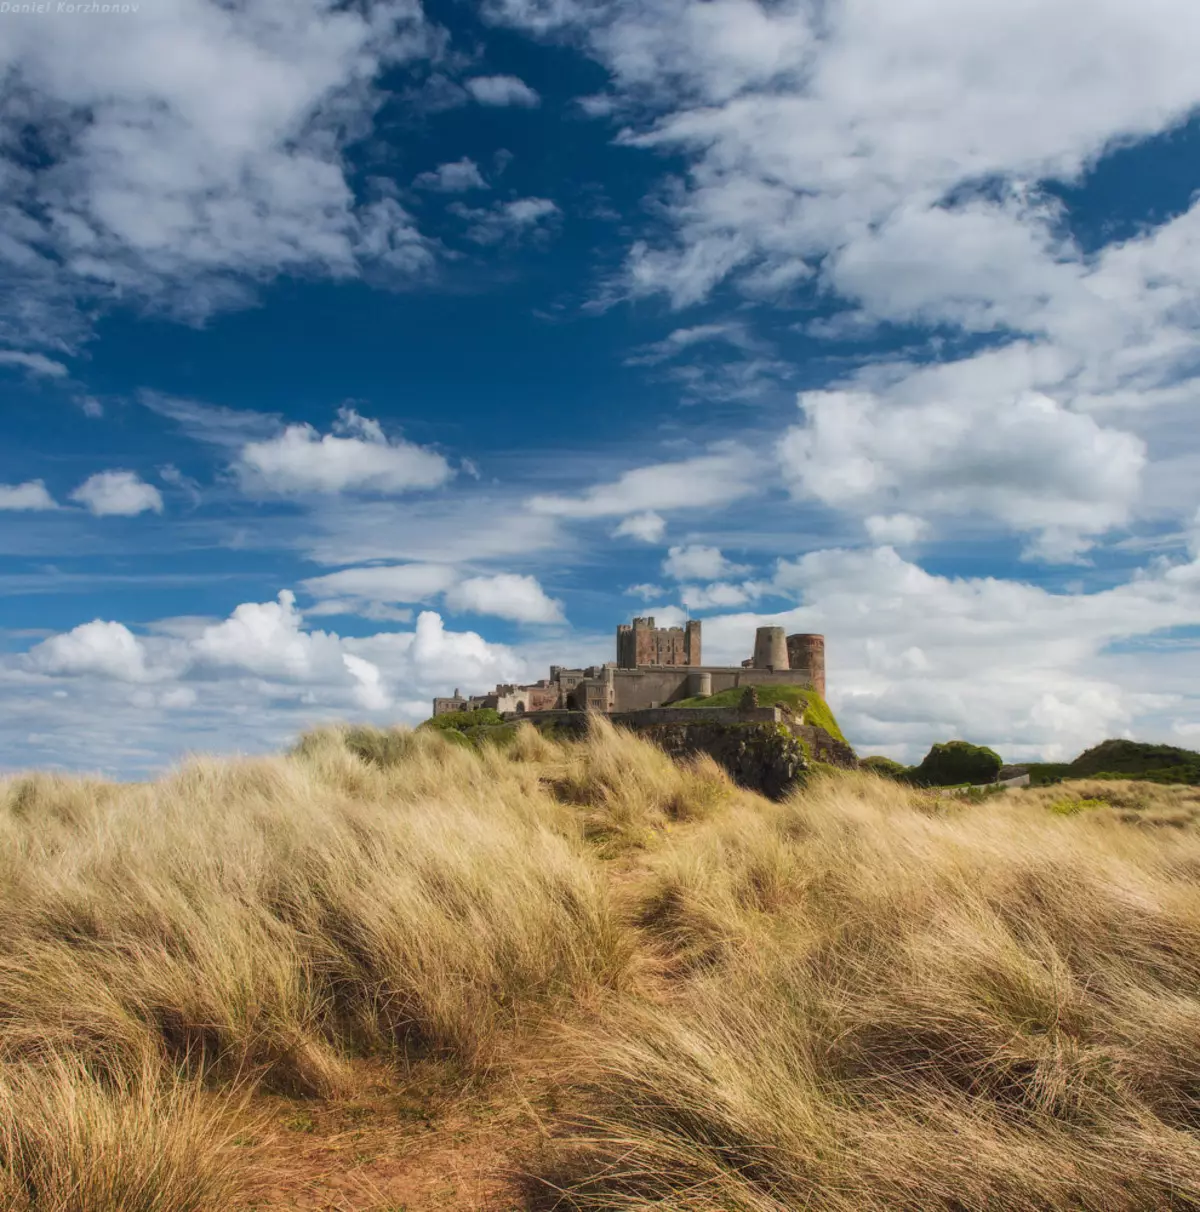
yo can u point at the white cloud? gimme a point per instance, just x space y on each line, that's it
32 495
646 591
896 528
916 194
720 595
649 527
705 481
914 657
356 457
107 649
502 90
35 363
267 638
452 528
378 612
370 692
122 494
388 583
455 177
669 616
894 109
196 148
937 442
248 684
681 339
513 220
368 592
506 596
698 563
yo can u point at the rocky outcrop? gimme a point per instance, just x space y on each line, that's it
763 757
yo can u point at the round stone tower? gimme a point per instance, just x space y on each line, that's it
699 683
770 649
807 653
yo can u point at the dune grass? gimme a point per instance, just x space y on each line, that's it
881 1003
865 997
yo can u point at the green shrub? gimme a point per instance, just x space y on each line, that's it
1071 806
462 720
1156 763
884 766
955 763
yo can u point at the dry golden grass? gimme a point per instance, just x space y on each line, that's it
887 1003
631 791
864 998
137 1143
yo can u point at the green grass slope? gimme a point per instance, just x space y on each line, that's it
798 698
1121 759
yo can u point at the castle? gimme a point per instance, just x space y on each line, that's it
656 666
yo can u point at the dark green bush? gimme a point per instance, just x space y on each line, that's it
878 764
461 720
955 763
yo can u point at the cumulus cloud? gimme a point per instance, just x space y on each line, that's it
917 195
649 527
647 591
99 647
502 90
122 494
505 596
32 495
96 695
363 591
720 595
356 457
915 658
895 113
698 563
192 151
706 481
938 442
895 529
267 638
369 692
456 177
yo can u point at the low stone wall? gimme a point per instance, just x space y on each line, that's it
697 715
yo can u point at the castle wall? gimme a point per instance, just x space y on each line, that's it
640 689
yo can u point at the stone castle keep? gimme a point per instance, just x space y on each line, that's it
656 666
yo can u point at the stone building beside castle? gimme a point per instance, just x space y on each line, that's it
656 666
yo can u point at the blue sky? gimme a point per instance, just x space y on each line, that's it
354 352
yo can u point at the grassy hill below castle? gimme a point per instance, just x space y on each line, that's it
800 699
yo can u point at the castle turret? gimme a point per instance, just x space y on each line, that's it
770 649
806 653
691 642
